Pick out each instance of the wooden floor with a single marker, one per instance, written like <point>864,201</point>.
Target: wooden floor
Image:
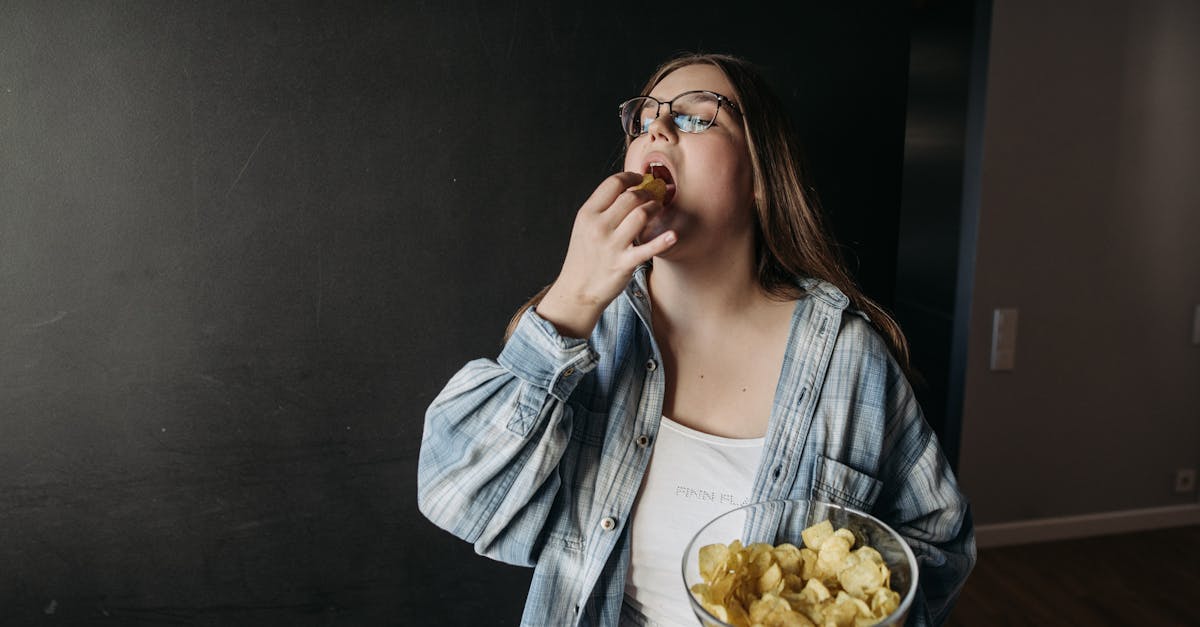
<point>1147,578</point>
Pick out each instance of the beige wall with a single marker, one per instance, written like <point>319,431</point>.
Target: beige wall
<point>1089,224</point>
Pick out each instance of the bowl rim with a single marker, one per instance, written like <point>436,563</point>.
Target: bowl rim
<point>905,603</point>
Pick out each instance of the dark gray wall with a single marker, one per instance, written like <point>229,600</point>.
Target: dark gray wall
<point>243,246</point>
<point>1088,219</point>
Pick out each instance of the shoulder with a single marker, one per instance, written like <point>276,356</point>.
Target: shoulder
<point>859,335</point>
<point>855,331</point>
<point>858,354</point>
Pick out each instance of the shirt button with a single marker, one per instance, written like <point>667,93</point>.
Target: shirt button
<point>568,372</point>
<point>608,524</point>
<point>639,294</point>
<point>642,441</point>
<point>651,365</point>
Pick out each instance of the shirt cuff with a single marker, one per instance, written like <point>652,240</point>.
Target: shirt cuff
<point>539,354</point>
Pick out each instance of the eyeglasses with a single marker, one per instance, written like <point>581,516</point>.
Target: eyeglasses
<point>692,111</point>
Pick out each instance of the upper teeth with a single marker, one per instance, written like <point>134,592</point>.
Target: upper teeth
<point>656,164</point>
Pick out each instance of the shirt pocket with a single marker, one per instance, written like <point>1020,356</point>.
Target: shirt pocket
<point>530,400</point>
<point>840,484</point>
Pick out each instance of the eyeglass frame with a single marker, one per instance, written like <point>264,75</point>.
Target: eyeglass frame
<point>733,106</point>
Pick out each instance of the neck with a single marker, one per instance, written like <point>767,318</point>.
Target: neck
<point>709,292</point>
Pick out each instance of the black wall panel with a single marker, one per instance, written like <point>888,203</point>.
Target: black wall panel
<point>243,245</point>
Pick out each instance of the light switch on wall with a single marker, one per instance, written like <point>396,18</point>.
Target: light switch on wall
<point>1004,339</point>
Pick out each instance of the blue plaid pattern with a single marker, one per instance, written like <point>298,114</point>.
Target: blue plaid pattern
<point>534,457</point>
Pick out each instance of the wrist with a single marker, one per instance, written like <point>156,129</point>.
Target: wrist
<point>573,315</point>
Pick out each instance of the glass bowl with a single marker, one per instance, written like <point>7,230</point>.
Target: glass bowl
<point>776,522</point>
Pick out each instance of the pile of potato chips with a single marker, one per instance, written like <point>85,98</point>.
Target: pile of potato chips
<point>787,586</point>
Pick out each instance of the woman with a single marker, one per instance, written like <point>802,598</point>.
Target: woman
<point>739,363</point>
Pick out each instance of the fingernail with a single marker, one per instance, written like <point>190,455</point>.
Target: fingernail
<point>670,238</point>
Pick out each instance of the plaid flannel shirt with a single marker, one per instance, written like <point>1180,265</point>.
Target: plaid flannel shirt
<point>536,457</point>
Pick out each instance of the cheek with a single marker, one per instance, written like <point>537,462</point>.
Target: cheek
<point>741,179</point>
<point>729,180</point>
<point>630,160</point>
<point>747,179</point>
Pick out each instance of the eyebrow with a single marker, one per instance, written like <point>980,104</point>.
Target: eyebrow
<point>686,91</point>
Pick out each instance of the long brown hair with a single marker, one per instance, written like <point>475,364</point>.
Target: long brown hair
<point>792,239</point>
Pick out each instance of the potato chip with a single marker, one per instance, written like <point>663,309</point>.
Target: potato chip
<point>810,563</point>
<point>656,186</point>
<point>841,612</point>
<point>761,556</point>
<point>768,604</point>
<point>816,534</point>
<point>717,610</point>
<point>850,561</point>
<point>774,611</point>
<point>830,556</point>
<point>788,556</point>
<point>863,615</point>
<point>771,581</point>
<point>824,583</point>
<point>789,619</point>
<point>867,553</point>
<point>861,577</point>
<point>712,560</point>
<point>884,601</point>
<point>814,591</point>
<point>737,615</point>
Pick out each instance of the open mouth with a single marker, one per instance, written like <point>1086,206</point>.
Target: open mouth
<point>659,170</point>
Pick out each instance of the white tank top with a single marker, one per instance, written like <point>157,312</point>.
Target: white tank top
<point>693,477</point>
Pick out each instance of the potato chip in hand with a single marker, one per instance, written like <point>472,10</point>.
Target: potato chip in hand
<point>657,187</point>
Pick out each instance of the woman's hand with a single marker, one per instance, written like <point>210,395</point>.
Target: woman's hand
<point>603,254</point>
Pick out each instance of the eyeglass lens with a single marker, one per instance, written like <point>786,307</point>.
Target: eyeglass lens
<point>692,112</point>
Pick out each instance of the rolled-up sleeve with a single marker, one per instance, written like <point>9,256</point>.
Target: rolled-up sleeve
<point>921,500</point>
<point>493,439</point>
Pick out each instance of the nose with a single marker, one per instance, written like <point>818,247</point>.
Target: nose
<point>662,128</point>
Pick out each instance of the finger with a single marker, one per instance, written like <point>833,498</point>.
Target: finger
<point>608,191</point>
<point>626,203</point>
<point>634,222</point>
<point>654,247</point>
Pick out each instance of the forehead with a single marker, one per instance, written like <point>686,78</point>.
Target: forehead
<point>690,77</point>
